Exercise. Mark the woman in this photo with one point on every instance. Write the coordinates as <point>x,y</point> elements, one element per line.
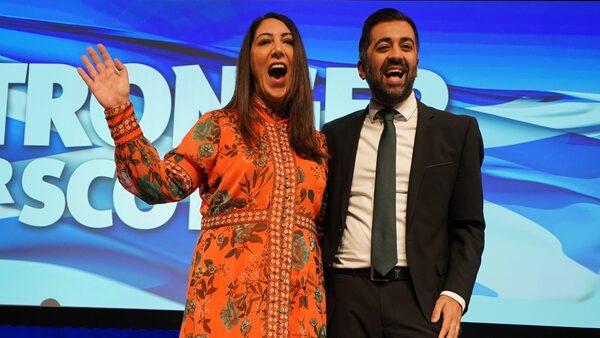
<point>260,168</point>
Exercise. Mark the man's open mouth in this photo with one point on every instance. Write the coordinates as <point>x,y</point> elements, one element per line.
<point>394,73</point>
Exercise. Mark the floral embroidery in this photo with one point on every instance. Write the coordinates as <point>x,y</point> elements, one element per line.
<point>230,315</point>
<point>206,150</point>
<point>222,202</point>
<point>151,191</point>
<point>299,251</point>
<point>206,129</point>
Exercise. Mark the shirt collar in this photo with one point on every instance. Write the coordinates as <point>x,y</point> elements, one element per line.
<point>405,108</point>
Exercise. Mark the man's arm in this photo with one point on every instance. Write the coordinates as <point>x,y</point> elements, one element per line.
<point>466,228</point>
<point>466,221</point>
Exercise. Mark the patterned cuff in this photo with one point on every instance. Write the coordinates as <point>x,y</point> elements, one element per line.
<point>181,175</point>
<point>122,123</point>
<point>114,111</point>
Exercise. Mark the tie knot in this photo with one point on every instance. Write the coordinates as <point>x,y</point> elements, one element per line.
<point>387,114</point>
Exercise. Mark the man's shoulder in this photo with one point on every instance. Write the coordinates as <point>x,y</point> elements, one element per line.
<point>443,115</point>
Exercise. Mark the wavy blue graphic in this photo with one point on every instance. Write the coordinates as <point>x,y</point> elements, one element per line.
<point>530,79</point>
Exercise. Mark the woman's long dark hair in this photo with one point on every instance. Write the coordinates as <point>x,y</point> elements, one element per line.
<point>298,99</point>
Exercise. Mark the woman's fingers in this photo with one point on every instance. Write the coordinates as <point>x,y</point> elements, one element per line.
<point>89,67</point>
<point>105,56</point>
<point>88,80</point>
<point>98,66</point>
<point>120,67</point>
<point>106,78</point>
<point>95,59</point>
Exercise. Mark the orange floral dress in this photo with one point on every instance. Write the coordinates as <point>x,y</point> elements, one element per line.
<point>256,269</point>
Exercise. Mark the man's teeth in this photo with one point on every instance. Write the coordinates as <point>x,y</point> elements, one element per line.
<point>394,73</point>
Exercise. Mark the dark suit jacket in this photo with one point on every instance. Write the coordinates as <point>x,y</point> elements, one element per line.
<point>444,220</point>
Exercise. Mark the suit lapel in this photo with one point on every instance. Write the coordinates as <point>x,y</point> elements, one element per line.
<point>350,138</point>
<point>421,151</point>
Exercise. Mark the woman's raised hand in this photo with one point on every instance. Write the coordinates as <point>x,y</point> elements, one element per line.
<point>107,79</point>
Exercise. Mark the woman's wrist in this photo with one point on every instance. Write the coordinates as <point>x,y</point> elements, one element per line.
<point>122,123</point>
<point>116,110</point>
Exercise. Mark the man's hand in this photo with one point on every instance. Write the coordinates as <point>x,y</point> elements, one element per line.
<point>451,312</point>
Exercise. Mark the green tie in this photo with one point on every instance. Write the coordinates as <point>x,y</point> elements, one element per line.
<point>383,237</point>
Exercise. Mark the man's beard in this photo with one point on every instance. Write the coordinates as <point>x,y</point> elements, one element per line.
<point>385,95</point>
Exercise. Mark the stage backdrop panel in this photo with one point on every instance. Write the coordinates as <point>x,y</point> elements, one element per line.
<point>528,71</point>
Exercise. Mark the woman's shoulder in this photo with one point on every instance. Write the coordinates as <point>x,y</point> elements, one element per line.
<point>219,117</point>
<point>320,136</point>
<point>322,140</point>
<point>219,114</point>
<point>212,123</point>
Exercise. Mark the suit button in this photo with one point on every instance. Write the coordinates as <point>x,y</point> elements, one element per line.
<point>340,229</point>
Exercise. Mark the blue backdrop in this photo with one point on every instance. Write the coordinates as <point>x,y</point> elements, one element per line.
<point>526,70</point>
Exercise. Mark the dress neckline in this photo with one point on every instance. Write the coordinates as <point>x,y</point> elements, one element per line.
<point>267,114</point>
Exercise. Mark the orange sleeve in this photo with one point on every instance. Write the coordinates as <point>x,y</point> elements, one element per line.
<point>140,169</point>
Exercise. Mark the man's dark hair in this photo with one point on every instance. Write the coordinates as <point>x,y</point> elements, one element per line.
<point>382,15</point>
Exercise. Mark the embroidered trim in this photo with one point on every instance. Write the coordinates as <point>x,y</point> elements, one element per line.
<point>281,224</point>
<point>252,216</point>
<point>111,112</point>
<point>234,217</point>
<point>306,223</point>
<point>124,127</point>
<point>129,138</point>
<point>182,176</point>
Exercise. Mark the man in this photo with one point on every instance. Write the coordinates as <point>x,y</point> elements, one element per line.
<point>404,220</point>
